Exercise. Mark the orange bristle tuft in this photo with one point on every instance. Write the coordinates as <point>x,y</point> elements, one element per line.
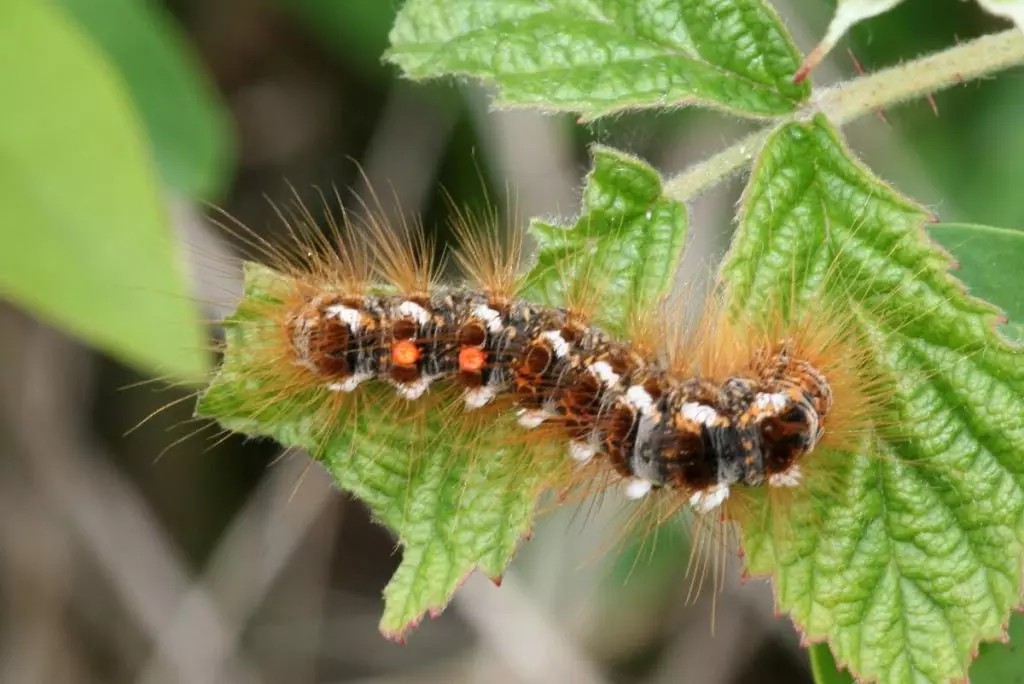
<point>489,255</point>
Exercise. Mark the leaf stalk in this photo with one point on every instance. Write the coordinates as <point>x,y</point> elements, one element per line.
<point>855,98</point>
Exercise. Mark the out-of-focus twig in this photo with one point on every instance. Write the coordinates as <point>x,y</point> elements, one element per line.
<point>527,641</point>
<point>256,547</point>
<point>404,154</point>
<point>101,507</point>
<point>36,561</point>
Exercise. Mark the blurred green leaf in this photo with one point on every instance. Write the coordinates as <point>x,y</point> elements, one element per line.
<point>990,265</point>
<point>917,556</point>
<point>628,240</point>
<point>650,562</point>
<point>990,195</point>
<point>189,129</point>
<point>607,56</point>
<point>84,241</point>
<point>1002,663</point>
<point>357,29</point>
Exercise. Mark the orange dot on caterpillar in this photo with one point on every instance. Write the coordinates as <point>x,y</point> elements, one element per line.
<point>405,353</point>
<point>472,359</point>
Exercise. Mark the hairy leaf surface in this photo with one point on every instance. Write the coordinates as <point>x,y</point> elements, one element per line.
<point>917,557</point>
<point>602,56</point>
<point>627,245</point>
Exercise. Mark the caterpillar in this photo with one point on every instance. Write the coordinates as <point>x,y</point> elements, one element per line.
<point>655,427</point>
<point>687,414</point>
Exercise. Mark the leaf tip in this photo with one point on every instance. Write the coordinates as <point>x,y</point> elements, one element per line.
<point>397,636</point>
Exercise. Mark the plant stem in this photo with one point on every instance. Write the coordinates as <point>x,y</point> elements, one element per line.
<point>853,99</point>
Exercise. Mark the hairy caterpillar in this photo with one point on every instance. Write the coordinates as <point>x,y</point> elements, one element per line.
<point>687,415</point>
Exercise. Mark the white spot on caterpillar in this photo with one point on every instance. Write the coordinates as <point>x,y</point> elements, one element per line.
<point>639,399</point>
<point>581,452</point>
<point>490,317</point>
<point>350,383</point>
<point>414,311</point>
<point>776,402</point>
<point>709,499</point>
<point>558,342</point>
<point>478,396</point>
<point>698,413</point>
<point>532,419</point>
<point>637,488</point>
<point>415,390</point>
<point>787,478</point>
<point>815,427</point>
<point>353,318</point>
<point>603,372</point>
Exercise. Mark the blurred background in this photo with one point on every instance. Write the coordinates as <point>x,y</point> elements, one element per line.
<point>224,561</point>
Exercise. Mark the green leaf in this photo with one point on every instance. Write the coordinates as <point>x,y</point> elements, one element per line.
<point>188,126</point>
<point>629,239</point>
<point>990,266</point>
<point>454,503</point>
<point>451,512</point>
<point>996,663</point>
<point>357,29</point>
<point>917,556</point>
<point>84,241</point>
<point>598,57</point>
<point>1002,663</point>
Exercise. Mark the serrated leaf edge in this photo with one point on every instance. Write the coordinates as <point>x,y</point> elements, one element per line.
<point>994,317</point>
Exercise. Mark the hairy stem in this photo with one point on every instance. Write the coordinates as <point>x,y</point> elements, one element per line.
<point>853,99</point>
